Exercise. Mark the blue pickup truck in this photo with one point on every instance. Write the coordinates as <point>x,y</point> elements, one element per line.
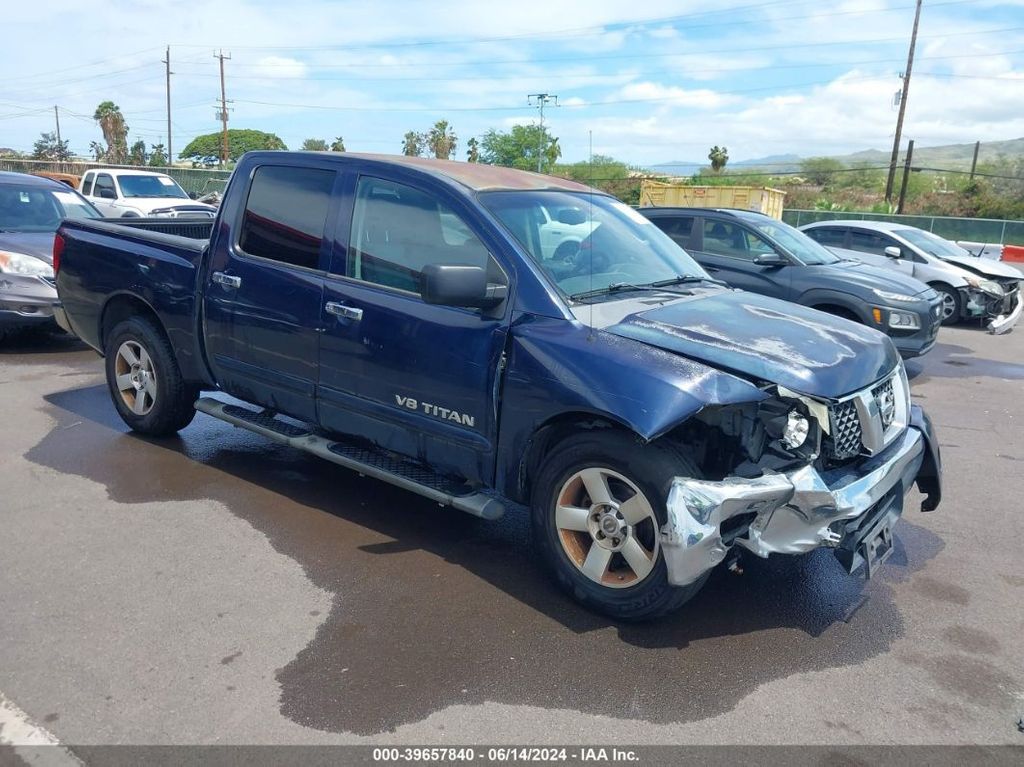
<point>401,318</point>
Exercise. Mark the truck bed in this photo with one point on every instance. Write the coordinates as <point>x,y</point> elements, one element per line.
<point>154,262</point>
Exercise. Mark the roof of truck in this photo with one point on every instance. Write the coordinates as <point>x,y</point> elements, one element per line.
<point>477,176</point>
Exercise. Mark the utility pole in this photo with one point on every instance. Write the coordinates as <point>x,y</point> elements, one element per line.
<point>56,116</point>
<point>974,162</point>
<point>167,64</point>
<point>903,106</point>
<point>223,111</point>
<point>540,100</point>
<point>906,176</point>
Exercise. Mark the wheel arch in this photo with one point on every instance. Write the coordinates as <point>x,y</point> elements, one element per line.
<point>122,306</point>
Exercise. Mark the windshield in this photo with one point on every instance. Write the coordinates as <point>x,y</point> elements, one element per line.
<point>590,243</point>
<point>793,240</point>
<point>38,209</point>
<point>930,243</point>
<point>150,186</point>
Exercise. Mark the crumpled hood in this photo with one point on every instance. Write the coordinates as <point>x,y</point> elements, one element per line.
<point>986,267</point>
<point>766,339</point>
<point>870,277</point>
<point>38,244</point>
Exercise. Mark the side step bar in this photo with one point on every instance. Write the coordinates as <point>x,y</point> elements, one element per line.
<point>404,474</point>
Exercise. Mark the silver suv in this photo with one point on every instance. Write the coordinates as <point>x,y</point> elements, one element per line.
<point>980,289</point>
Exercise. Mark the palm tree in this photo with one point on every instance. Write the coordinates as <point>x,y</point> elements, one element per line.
<point>719,156</point>
<point>441,140</point>
<point>115,132</point>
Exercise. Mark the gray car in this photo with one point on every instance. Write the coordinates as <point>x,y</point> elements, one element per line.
<point>970,287</point>
<point>31,209</point>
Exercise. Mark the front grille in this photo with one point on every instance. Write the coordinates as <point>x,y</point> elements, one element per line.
<point>845,440</point>
<point>885,397</point>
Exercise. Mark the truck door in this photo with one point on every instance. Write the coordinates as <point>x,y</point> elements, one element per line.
<point>264,290</point>
<point>104,195</point>
<point>728,251</point>
<point>416,378</point>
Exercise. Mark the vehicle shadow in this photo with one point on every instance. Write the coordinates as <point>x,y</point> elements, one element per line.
<point>33,342</point>
<point>434,608</point>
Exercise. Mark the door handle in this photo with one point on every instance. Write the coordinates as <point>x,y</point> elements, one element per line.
<point>340,310</point>
<point>227,280</point>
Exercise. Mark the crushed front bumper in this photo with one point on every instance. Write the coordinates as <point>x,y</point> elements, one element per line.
<point>799,511</point>
<point>1004,322</point>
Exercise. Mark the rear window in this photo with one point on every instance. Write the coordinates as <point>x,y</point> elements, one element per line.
<point>285,214</point>
<point>832,236</point>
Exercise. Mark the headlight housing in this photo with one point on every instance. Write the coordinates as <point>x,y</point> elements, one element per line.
<point>23,264</point>
<point>885,295</point>
<point>990,287</point>
<point>904,320</point>
<point>795,432</point>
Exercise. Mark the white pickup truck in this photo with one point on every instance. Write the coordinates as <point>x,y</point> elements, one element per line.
<point>120,193</point>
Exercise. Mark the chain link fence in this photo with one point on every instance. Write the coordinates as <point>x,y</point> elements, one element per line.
<point>197,181</point>
<point>990,230</point>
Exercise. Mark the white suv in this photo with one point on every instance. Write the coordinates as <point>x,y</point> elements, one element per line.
<point>121,193</point>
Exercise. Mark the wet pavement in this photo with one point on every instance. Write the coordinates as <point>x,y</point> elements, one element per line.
<point>216,588</point>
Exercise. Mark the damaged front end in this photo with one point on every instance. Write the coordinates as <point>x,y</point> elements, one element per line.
<point>842,486</point>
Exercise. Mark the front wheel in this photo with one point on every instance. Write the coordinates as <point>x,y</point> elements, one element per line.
<point>597,511</point>
<point>144,380</point>
<point>950,304</point>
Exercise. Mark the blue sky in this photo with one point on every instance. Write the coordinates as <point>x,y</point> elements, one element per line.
<point>651,83</point>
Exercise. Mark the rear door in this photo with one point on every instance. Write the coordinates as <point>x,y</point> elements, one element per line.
<point>727,251</point>
<point>264,290</point>
<point>415,378</point>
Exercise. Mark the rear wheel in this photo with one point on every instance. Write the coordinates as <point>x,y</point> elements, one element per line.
<point>950,304</point>
<point>598,508</point>
<point>144,380</point>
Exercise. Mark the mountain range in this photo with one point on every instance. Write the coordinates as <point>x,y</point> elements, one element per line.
<point>950,156</point>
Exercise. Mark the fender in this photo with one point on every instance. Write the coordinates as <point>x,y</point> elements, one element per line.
<point>820,296</point>
<point>557,367</point>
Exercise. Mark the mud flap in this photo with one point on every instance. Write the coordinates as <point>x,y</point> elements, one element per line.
<point>929,477</point>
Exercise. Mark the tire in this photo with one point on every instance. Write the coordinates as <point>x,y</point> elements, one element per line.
<point>951,304</point>
<point>144,381</point>
<point>625,592</point>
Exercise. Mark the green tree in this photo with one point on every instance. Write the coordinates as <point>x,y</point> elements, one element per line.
<point>821,170</point>
<point>413,144</point>
<point>98,150</point>
<point>519,147</point>
<point>48,148</point>
<point>158,156</point>
<point>240,141</point>
<point>719,156</point>
<point>314,145</point>
<point>137,154</point>
<point>115,132</point>
<point>473,150</point>
<point>338,145</point>
<point>441,140</point>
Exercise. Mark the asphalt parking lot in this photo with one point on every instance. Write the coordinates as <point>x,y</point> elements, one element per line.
<point>216,589</point>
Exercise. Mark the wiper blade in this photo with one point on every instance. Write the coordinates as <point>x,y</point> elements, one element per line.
<point>684,279</point>
<point>615,287</point>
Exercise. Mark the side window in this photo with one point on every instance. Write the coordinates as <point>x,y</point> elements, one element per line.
<point>678,228</point>
<point>726,239</point>
<point>828,236</point>
<point>869,242</point>
<point>104,182</point>
<point>285,214</point>
<point>397,230</point>
<point>87,184</point>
